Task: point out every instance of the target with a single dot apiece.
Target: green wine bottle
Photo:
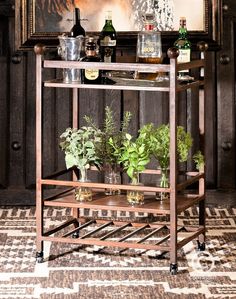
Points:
(184, 46)
(107, 40)
(77, 29)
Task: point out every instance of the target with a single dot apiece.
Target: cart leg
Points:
(201, 239)
(39, 252)
(173, 235)
(173, 269)
(75, 235)
(75, 214)
(201, 246)
(173, 253)
(75, 211)
(39, 225)
(39, 256)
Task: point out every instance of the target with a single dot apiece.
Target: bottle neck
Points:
(77, 15)
(108, 22)
(183, 32)
(183, 28)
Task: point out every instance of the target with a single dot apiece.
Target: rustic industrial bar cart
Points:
(181, 196)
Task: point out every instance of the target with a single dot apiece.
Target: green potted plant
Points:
(105, 151)
(79, 146)
(157, 140)
(134, 156)
(198, 158)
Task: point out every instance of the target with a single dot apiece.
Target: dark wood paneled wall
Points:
(17, 115)
(225, 68)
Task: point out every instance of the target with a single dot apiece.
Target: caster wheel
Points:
(75, 235)
(201, 246)
(39, 257)
(173, 269)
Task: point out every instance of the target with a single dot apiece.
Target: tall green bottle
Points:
(184, 45)
(107, 40)
(77, 29)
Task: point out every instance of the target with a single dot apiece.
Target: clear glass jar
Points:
(83, 193)
(135, 197)
(164, 183)
(112, 176)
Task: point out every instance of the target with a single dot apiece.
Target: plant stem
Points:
(164, 178)
(83, 174)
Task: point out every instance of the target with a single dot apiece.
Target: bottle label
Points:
(107, 42)
(107, 59)
(184, 55)
(91, 74)
(148, 47)
(107, 54)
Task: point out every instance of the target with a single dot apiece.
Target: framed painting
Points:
(43, 20)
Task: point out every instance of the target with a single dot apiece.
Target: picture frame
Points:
(39, 24)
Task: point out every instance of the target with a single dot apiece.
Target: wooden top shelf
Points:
(127, 85)
(141, 67)
(124, 83)
(119, 203)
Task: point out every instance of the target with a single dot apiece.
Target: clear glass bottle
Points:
(184, 46)
(149, 46)
(108, 40)
(91, 76)
(77, 29)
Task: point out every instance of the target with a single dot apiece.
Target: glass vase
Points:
(164, 183)
(112, 176)
(135, 197)
(83, 193)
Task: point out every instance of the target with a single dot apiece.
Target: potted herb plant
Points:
(134, 156)
(198, 158)
(157, 139)
(79, 146)
(105, 151)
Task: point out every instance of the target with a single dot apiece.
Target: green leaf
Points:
(141, 149)
(143, 162)
(70, 161)
(89, 144)
(128, 136)
(130, 172)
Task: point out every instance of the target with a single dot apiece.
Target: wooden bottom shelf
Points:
(104, 233)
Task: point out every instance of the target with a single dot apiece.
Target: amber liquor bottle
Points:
(149, 46)
(91, 75)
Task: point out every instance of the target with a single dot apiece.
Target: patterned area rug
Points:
(82, 272)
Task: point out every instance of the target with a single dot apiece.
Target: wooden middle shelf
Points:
(119, 203)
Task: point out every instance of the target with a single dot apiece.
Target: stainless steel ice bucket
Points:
(71, 49)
